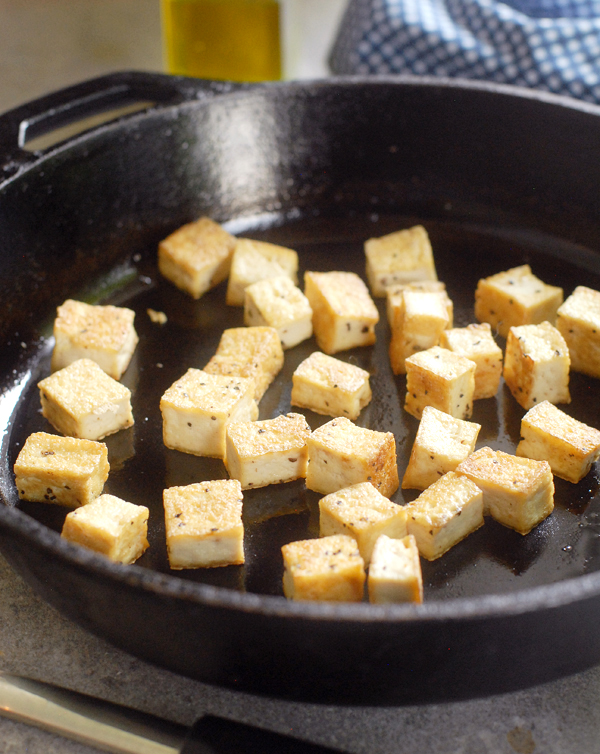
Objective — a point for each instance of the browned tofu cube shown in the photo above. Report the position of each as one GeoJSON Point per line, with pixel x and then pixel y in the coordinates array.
{"type": "Point", "coordinates": [395, 571]}
{"type": "Point", "coordinates": [104, 334]}
{"type": "Point", "coordinates": [476, 343]}
{"type": "Point", "coordinates": [258, 260]}
{"type": "Point", "coordinates": [81, 400]}
{"type": "Point", "coordinates": [444, 514]}
{"type": "Point", "coordinates": [442, 379]}
{"type": "Point", "coordinates": [578, 320]}
{"type": "Point", "coordinates": [516, 297]}
{"type": "Point", "coordinates": [362, 512]}
{"type": "Point", "coordinates": [197, 256]}
{"type": "Point", "coordinates": [108, 525]}
{"type": "Point", "coordinates": [203, 523]}
{"type": "Point", "coordinates": [442, 442]}
{"type": "Point", "coordinates": [329, 568]}
{"type": "Point", "coordinates": [517, 492]}
{"type": "Point", "coordinates": [400, 257]}
{"type": "Point", "coordinates": [251, 352]}
{"type": "Point", "coordinates": [536, 365]}
{"type": "Point", "coordinates": [267, 452]}
{"type": "Point", "coordinates": [329, 386]}
{"type": "Point", "coordinates": [394, 294]}
{"type": "Point", "coordinates": [344, 314]}
{"type": "Point", "coordinates": [569, 446]}
{"type": "Point", "coordinates": [420, 318]}
{"type": "Point", "coordinates": [341, 454]}
{"type": "Point", "coordinates": [62, 470]}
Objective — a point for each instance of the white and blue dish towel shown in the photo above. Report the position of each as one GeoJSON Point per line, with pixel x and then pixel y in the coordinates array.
{"type": "Point", "coordinates": [544, 44]}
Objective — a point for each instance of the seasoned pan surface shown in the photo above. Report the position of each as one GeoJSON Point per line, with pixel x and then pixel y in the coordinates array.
{"type": "Point", "coordinates": [319, 168]}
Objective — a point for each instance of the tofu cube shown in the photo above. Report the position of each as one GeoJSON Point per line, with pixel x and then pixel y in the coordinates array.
{"type": "Point", "coordinates": [363, 513]}
{"type": "Point", "coordinates": [476, 343]}
{"type": "Point", "coordinates": [442, 442]}
{"type": "Point", "coordinates": [329, 569]}
{"type": "Point", "coordinates": [536, 365]}
{"type": "Point", "coordinates": [197, 256]}
{"type": "Point", "coordinates": [104, 334]}
{"type": "Point", "coordinates": [203, 524]}
{"type": "Point", "coordinates": [341, 454]}
{"type": "Point", "coordinates": [344, 315]}
{"type": "Point", "coordinates": [569, 446]}
{"type": "Point", "coordinates": [197, 408]}
{"type": "Point", "coordinates": [517, 492]}
{"type": "Point", "coordinates": [62, 470]}
{"type": "Point", "coordinates": [395, 571]}
{"type": "Point", "coordinates": [400, 257]}
{"type": "Point", "coordinates": [278, 303]}
{"type": "Point", "coordinates": [110, 526]}
{"type": "Point", "coordinates": [444, 514]}
{"type": "Point", "coordinates": [442, 379]}
{"type": "Point", "coordinates": [254, 353]}
{"type": "Point", "coordinates": [578, 320]}
{"type": "Point", "coordinates": [420, 318]}
{"type": "Point", "coordinates": [516, 297]}
{"type": "Point", "coordinates": [258, 260]}
{"type": "Point", "coordinates": [81, 400]}
{"type": "Point", "coordinates": [329, 386]}
{"type": "Point", "coordinates": [394, 294]}
{"type": "Point", "coordinates": [267, 452]}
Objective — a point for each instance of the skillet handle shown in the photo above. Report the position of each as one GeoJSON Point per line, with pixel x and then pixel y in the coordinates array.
{"type": "Point", "coordinates": [89, 98]}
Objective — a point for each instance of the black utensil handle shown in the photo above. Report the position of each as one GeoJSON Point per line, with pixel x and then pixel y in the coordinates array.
{"type": "Point", "coordinates": [216, 735]}
{"type": "Point", "coordinates": [66, 106]}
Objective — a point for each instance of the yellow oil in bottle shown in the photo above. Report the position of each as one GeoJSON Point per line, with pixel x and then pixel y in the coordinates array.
{"type": "Point", "coordinates": [236, 40]}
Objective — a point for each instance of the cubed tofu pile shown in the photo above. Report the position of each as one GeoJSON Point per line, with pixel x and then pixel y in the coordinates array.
{"type": "Point", "coordinates": [368, 544]}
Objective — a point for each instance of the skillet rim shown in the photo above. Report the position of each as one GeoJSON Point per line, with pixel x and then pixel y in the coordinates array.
{"type": "Point", "coordinates": [197, 94]}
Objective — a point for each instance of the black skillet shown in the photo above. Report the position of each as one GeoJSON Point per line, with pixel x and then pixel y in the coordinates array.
{"type": "Point", "coordinates": [498, 176]}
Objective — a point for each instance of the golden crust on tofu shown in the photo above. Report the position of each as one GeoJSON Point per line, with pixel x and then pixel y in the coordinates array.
{"type": "Point", "coordinates": [395, 571]}
{"type": "Point", "coordinates": [536, 365]}
{"type": "Point", "coordinates": [258, 260]}
{"type": "Point", "coordinates": [517, 492]}
{"type": "Point", "coordinates": [400, 257]}
{"type": "Point", "coordinates": [81, 400]}
{"type": "Point", "coordinates": [267, 452]}
{"type": "Point", "coordinates": [362, 512]}
{"type": "Point", "coordinates": [569, 446]}
{"type": "Point", "coordinates": [278, 303]}
{"type": "Point", "coordinates": [197, 408]}
{"type": "Point", "coordinates": [420, 318]}
{"type": "Point", "coordinates": [329, 386]}
{"type": "Point", "coordinates": [578, 320]}
{"type": "Point", "coordinates": [476, 342]}
{"type": "Point", "coordinates": [329, 568]}
{"type": "Point", "coordinates": [394, 293]}
{"type": "Point", "coordinates": [516, 297]}
{"type": "Point", "coordinates": [440, 378]}
{"type": "Point", "coordinates": [110, 526]}
{"type": "Point", "coordinates": [62, 470]}
{"type": "Point", "coordinates": [341, 454]}
{"type": "Point", "coordinates": [203, 523]}
{"type": "Point", "coordinates": [444, 514]}
{"type": "Point", "coordinates": [251, 352]}
{"type": "Point", "coordinates": [104, 334]}
{"type": "Point", "coordinates": [344, 314]}
{"type": "Point", "coordinates": [197, 256]}
{"type": "Point", "coordinates": [442, 442]}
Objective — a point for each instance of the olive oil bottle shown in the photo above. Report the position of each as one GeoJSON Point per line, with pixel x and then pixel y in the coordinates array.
{"type": "Point", "coordinates": [237, 40]}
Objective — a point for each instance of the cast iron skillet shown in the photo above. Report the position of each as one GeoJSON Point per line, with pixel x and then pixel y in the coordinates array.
{"type": "Point", "coordinates": [498, 176]}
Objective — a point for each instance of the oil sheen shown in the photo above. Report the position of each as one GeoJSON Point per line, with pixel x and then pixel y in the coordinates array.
{"type": "Point", "coordinates": [236, 40]}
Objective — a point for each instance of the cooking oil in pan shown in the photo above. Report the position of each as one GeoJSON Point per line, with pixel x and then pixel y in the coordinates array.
{"type": "Point", "coordinates": [236, 40]}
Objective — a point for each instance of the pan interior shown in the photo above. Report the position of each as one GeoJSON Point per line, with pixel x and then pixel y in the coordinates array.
{"type": "Point", "coordinates": [492, 560]}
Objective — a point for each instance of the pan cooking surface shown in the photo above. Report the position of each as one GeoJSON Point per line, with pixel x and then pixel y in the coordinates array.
{"type": "Point", "coordinates": [492, 560]}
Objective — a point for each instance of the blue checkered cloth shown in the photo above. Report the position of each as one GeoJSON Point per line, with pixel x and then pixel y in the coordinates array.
{"type": "Point", "coordinates": [544, 44]}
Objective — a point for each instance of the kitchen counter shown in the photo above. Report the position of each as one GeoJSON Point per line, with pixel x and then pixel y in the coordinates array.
{"type": "Point", "coordinates": [48, 44]}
